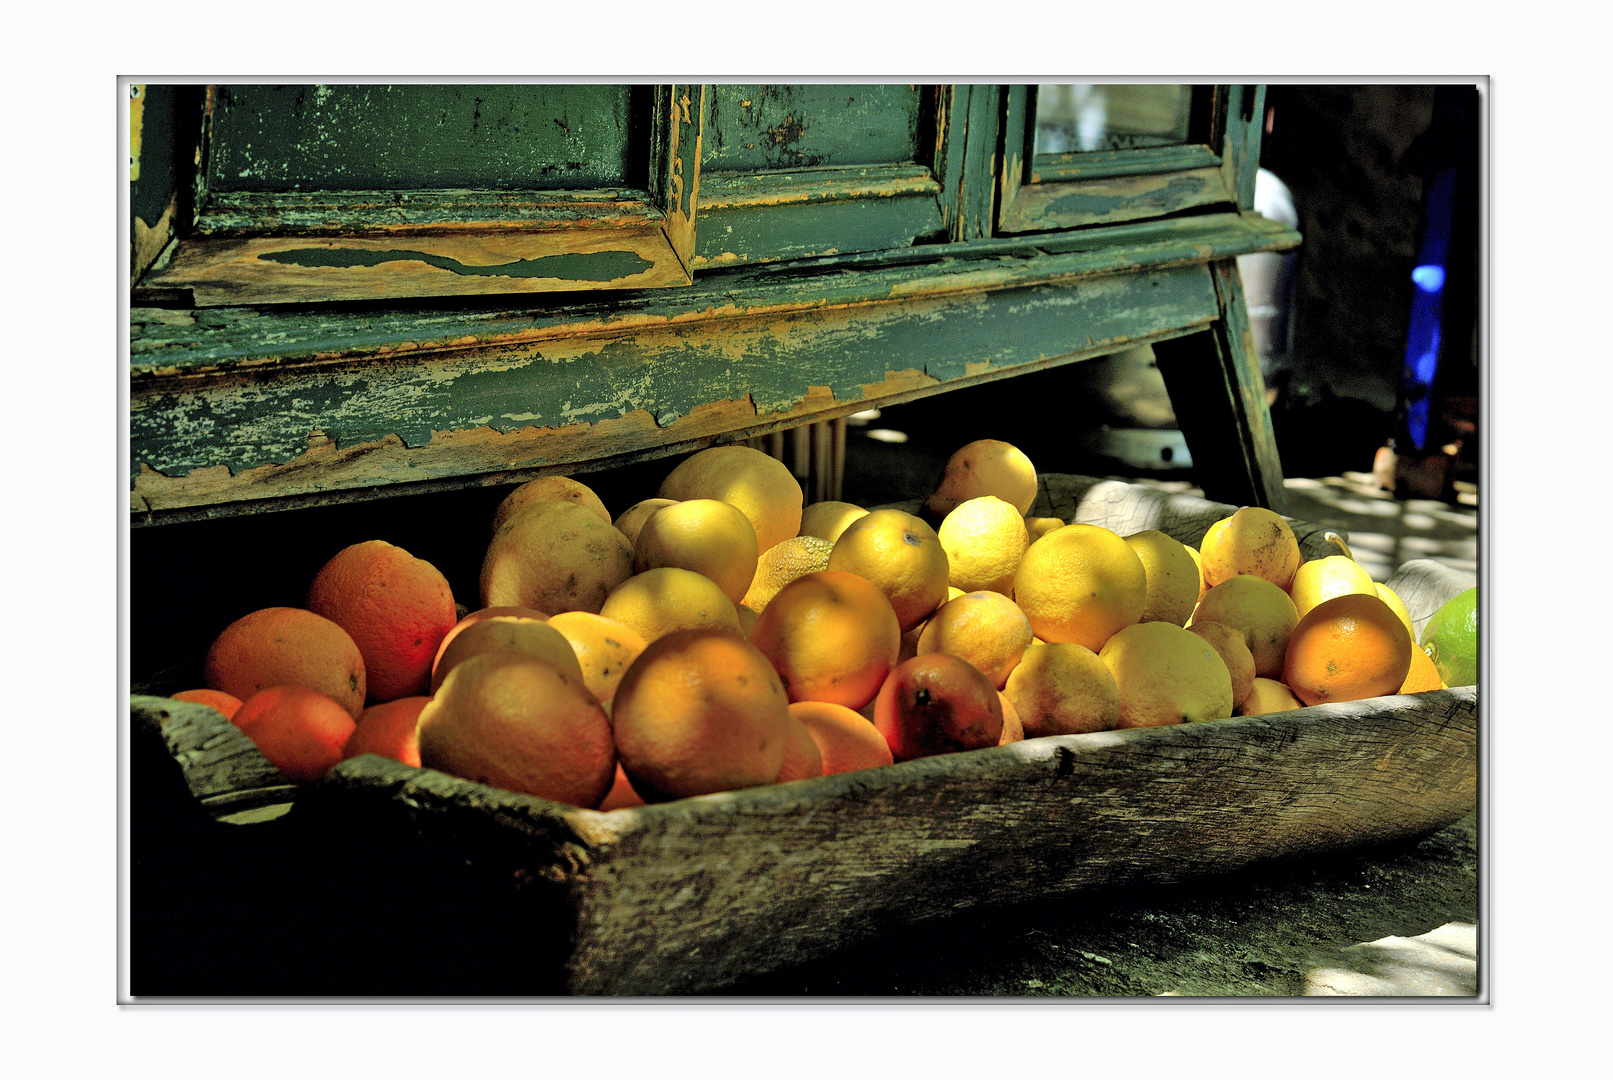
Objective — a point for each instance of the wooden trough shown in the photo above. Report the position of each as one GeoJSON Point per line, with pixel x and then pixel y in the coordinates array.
{"type": "Point", "coordinates": [443, 887]}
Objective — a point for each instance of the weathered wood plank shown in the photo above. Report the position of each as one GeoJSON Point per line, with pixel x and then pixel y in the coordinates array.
{"type": "Point", "coordinates": [607, 395]}
{"type": "Point", "coordinates": [966, 158]}
{"type": "Point", "coordinates": [1215, 383]}
{"type": "Point", "coordinates": [1039, 207]}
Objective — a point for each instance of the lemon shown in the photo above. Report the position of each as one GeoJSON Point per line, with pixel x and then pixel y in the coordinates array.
{"type": "Point", "coordinates": [829, 519]}
{"type": "Point", "coordinates": [1254, 541]}
{"type": "Point", "coordinates": [985, 467]}
{"type": "Point", "coordinates": [1172, 575]}
{"type": "Point", "coordinates": [1323, 579]}
{"type": "Point", "coordinates": [1061, 688]}
{"type": "Point", "coordinates": [1259, 610]}
{"type": "Point", "coordinates": [708, 536]}
{"type": "Point", "coordinates": [1269, 696]}
{"type": "Point", "coordinates": [984, 538]}
{"type": "Point", "coordinates": [901, 554]}
{"type": "Point", "coordinates": [1080, 584]}
{"type": "Point", "coordinates": [783, 563]}
{"type": "Point", "coordinates": [762, 487]}
{"type": "Point", "coordinates": [670, 598]}
{"type": "Point", "coordinates": [985, 628]}
{"type": "Point", "coordinates": [1166, 675]}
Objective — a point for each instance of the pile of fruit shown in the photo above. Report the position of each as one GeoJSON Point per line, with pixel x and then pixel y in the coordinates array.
{"type": "Point", "coordinates": [722, 636]}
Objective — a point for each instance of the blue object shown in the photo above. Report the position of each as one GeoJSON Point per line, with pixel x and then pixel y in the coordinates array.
{"type": "Point", "coordinates": [1423, 333]}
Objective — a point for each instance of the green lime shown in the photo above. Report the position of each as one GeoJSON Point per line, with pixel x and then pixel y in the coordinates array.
{"type": "Point", "coordinates": [1451, 639]}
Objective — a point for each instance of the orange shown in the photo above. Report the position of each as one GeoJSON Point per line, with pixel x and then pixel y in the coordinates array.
{"type": "Point", "coordinates": [621, 794]}
{"type": "Point", "coordinates": [783, 563]}
{"type": "Point", "coordinates": [1172, 575]}
{"type": "Point", "coordinates": [762, 487]}
{"type": "Point", "coordinates": [388, 730]}
{"type": "Point", "coordinates": [634, 517]}
{"type": "Point", "coordinates": [1013, 730]}
{"type": "Point", "coordinates": [1269, 696]}
{"type": "Point", "coordinates": [985, 628]}
{"type": "Point", "coordinates": [827, 520]}
{"type": "Point", "coordinates": [217, 699]}
{"type": "Point", "coordinates": [985, 467]}
{"type": "Point", "coordinates": [1061, 688]}
{"type": "Point", "coordinates": [531, 636]}
{"type": "Point", "coordinates": [984, 538]}
{"type": "Point", "coordinates": [1253, 540]}
{"type": "Point", "coordinates": [1166, 675]}
{"type": "Point", "coordinates": [700, 711]}
{"type": "Point", "coordinates": [668, 598]}
{"type": "Point", "coordinates": [555, 556]}
{"type": "Point", "coordinates": [846, 740]}
{"type": "Point", "coordinates": [516, 611]}
{"type": "Point", "coordinates": [937, 704]}
{"type": "Point", "coordinates": [832, 636]}
{"type": "Point", "coordinates": [1422, 675]}
{"type": "Point", "coordinates": [1233, 649]}
{"type": "Point", "coordinates": [1261, 611]}
{"type": "Point", "coordinates": [604, 648]}
{"type": "Point", "coordinates": [1347, 648]}
{"type": "Point", "coordinates": [513, 721]}
{"type": "Point", "coordinates": [299, 730]}
{"type": "Point", "coordinates": [707, 536]}
{"type": "Point", "coordinates": [546, 488]}
{"type": "Point", "coordinates": [397, 609]}
{"type": "Point", "coordinates": [802, 758]}
{"type": "Point", "coordinates": [279, 645]}
{"type": "Point", "coordinates": [1080, 584]}
{"type": "Point", "coordinates": [1325, 578]}
{"type": "Point", "coordinates": [902, 555]}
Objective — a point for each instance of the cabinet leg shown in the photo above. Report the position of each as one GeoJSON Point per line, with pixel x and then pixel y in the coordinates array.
{"type": "Point", "coordinates": [1213, 377]}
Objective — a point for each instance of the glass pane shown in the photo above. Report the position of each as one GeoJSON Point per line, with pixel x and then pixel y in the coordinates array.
{"type": "Point", "coordinates": [1082, 117]}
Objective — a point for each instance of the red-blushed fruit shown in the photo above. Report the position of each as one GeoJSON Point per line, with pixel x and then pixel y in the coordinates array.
{"type": "Point", "coordinates": [301, 731]}
{"type": "Point", "coordinates": [847, 740]}
{"type": "Point", "coordinates": [936, 703]}
{"type": "Point", "coordinates": [216, 699]}
{"type": "Point", "coordinates": [388, 730]}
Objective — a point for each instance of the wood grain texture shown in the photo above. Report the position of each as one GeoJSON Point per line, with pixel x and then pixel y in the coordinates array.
{"type": "Point", "coordinates": [222, 768]}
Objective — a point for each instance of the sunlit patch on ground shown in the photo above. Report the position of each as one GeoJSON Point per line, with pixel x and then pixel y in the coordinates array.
{"type": "Point", "coordinates": [1442, 962]}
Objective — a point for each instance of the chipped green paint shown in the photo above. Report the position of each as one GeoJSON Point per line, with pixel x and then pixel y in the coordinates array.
{"type": "Point", "coordinates": [595, 266]}
{"type": "Point", "coordinates": [755, 127]}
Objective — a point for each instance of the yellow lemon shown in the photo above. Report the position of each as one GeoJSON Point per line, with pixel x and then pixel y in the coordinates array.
{"type": "Point", "coordinates": [985, 467]}
{"type": "Point", "coordinates": [829, 519]}
{"type": "Point", "coordinates": [1323, 579]}
{"type": "Point", "coordinates": [546, 488]}
{"type": "Point", "coordinates": [1167, 675]}
{"type": "Point", "coordinates": [1039, 527]}
{"type": "Point", "coordinates": [902, 555]}
{"type": "Point", "coordinates": [1261, 611]}
{"type": "Point", "coordinates": [1269, 696]}
{"type": "Point", "coordinates": [1254, 541]}
{"type": "Point", "coordinates": [555, 555]}
{"type": "Point", "coordinates": [1172, 575]}
{"type": "Point", "coordinates": [604, 647]}
{"type": "Point", "coordinates": [1234, 653]}
{"type": "Point", "coordinates": [783, 563]}
{"type": "Point", "coordinates": [1396, 605]}
{"type": "Point", "coordinates": [1062, 688]}
{"type": "Point", "coordinates": [762, 487]}
{"type": "Point", "coordinates": [634, 517]}
{"type": "Point", "coordinates": [1080, 584]}
{"type": "Point", "coordinates": [708, 536]}
{"type": "Point", "coordinates": [669, 598]}
{"type": "Point", "coordinates": [984, 538]}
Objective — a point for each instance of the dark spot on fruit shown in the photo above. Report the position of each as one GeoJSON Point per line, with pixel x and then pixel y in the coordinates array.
{"type": "Point", "coordinates": [419, 641]}
{"type": "Point", "coordinates": [911, 538]}
{"type": "Point", "coordinates": [352, 682]}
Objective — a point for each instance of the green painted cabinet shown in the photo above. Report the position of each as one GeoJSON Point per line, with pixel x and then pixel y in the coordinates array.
{"type": "Point", "coordinates": [340, 292]}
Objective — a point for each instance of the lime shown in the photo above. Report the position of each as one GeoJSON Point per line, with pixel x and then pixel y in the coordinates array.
{"type": "Point", "coordinates": [1451, 639]}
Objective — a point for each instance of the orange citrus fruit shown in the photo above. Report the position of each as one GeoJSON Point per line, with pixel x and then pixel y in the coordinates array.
{"type": "Point", "coordinates": [1013, 730]}
{"type": "Point", "coordinates": [670, 598]}
{"type": "Point", "coordinates": [217, 699]}
{"type": "Point", "coordinates": [1061, 688]}
{"type": "Point", "coordinates": [708, 536]}
{"type": "Point", "coordinates": [513, 721]}
{"type": "Point", "coordinates": [1166, 675]}
{"type": "Point", "coordinates": [783, 563]}
{"type": "Point", "coordinates": [984, 538]}
{"type": "Point", "coordinates": [700, 711]}
{"type": "Point", "coordinates": [1422, 675]}
{"type": "Point", "coordinates": [1345, 649]}
{"type": "Point", "coordinates": [762, 487]}
{"type": "Point", "coordinates": [846, 740]}
{"type": "Point", "coordinates": [827, 520]}
{"type": "Point", "coordinates": [532, 636]}
{"type": "Point", "coordinates": [985, 628]}
{"type": "Point", "coordinates": [604, 648]}
{"type": "Point", "coordinates": [555, 556]}
{"type": "Point", "coordinates": [621, 794]}
{"type": "Point", "coordinates": [802, 758]}
{"type": "Point", "coordinates": [301, 731]}
{"type": "Point", "coordinates": [832, 636]}
{"type": "Point", "coordinates": [280, 645]}
{"type": "Point", "coordinates": [544, 489]}
{"type": "Point", "coordinates": [985, 467]}
{"type": "Point", "coordinates": [388, 730]}
{"type": "Point", "coordinates": [937, 704]}
{"type": "Point", "coordinates": [901, 554]}
{"type": "Point", "coordinates": [396, 608]}
{"type": "Point", "coordinates": [1260, 610]}
{"type": "Point", "coordinates": [1253, 540]}
{"type": "Point", "coordinates": [1080, 584]}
